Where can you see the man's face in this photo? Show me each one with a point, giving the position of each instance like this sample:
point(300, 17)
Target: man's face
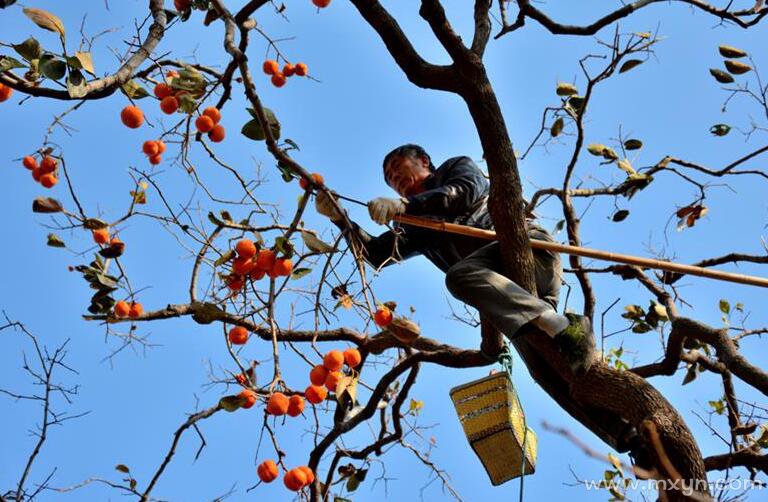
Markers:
point(406, 174)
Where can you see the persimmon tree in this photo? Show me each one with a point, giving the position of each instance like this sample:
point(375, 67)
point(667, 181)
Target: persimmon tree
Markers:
point(253, 262)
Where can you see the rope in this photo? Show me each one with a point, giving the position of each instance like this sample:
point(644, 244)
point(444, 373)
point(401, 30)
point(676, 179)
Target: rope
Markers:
point(506, 360)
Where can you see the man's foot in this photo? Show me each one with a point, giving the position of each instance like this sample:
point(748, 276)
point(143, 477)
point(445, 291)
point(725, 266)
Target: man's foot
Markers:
point(577, 343)
point(631, 441)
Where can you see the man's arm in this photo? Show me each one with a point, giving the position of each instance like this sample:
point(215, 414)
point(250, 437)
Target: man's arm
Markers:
point(384, 249)
point(463, 186)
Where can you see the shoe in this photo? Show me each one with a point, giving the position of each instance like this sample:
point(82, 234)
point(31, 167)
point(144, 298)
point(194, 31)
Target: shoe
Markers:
point(577, 343)
point(632, 442)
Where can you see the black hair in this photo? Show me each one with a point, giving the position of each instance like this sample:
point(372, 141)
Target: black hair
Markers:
point(408, 150)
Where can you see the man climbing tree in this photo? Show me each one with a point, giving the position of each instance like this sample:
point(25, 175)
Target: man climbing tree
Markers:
point(457, 192)
point(163, 159)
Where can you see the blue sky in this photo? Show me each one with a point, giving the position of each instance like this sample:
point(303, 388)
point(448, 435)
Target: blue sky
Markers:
point(361, 107)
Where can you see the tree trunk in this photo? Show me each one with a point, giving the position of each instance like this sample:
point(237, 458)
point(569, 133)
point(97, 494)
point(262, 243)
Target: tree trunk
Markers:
point(605, 399)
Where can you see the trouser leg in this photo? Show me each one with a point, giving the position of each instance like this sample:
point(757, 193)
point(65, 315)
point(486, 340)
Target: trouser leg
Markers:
point(477, 281)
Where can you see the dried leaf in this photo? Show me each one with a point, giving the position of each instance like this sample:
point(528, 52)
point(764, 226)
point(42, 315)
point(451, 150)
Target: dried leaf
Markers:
point(76, 85)
point(557, 127)
point(691, 374)
point(736, 67)
point(344, 301)
point(731, 52)
point(45, 20)
point(86, 62)
point(122, 468)
point(566, 89)
point(94, 224)
point(346, 384)
point(633, 144)
point(626, 166)
point(46, 205)
point(628, 65)
point(721, 76)
point(596, 149)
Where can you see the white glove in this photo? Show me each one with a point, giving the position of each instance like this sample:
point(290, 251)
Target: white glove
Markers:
point(324, 205)
point(382, 209)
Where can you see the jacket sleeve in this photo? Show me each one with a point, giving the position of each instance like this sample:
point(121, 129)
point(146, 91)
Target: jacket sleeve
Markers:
point(382, 250)
point(463, 185)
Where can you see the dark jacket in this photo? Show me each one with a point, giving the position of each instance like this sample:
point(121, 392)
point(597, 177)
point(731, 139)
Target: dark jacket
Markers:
point(456, 192)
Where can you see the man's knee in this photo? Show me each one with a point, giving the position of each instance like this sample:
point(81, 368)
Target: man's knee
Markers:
point(456, 279)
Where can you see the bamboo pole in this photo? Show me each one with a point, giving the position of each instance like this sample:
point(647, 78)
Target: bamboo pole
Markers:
point(588, 252)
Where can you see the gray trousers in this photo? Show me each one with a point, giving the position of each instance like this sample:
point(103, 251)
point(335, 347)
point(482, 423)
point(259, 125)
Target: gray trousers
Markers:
point(477, 280)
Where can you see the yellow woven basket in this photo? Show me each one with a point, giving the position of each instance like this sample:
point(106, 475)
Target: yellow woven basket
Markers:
point(494, 423)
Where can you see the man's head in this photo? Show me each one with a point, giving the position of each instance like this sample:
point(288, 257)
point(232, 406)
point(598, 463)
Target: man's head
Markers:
point(406, 167)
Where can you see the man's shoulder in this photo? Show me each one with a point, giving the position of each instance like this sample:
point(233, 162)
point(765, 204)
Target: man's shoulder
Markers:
point(460, 161)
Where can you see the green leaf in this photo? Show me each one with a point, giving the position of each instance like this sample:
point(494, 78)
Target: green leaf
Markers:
point(55, 241)
point(230, 403)
point(76, 85)
point(224, 258)
point(620, 215)
point(576, 104)
point(415, 406)
point(628, 65)
point(725, 307)
point(352, 483)
point(720, 129)
point(46, 205)
point(133, 90)
point(557, 127)
point(274, 124)
point(252, 130)
point(9, 63)
point(721, 76)
point(633, 144)
point(615, 462)
point(122, 468)
point(315, 244)
point(300, 272)
point(187, 103)
point(29, 49)
point(52, 67)
point(718, 406)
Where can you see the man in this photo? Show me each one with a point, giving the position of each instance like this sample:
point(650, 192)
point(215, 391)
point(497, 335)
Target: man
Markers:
point(457, 192)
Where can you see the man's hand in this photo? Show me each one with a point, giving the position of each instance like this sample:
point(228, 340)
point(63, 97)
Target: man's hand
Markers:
point(324, 205)
point(382, 209)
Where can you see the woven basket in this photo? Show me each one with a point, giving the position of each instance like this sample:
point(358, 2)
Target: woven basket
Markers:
point(494, 423)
